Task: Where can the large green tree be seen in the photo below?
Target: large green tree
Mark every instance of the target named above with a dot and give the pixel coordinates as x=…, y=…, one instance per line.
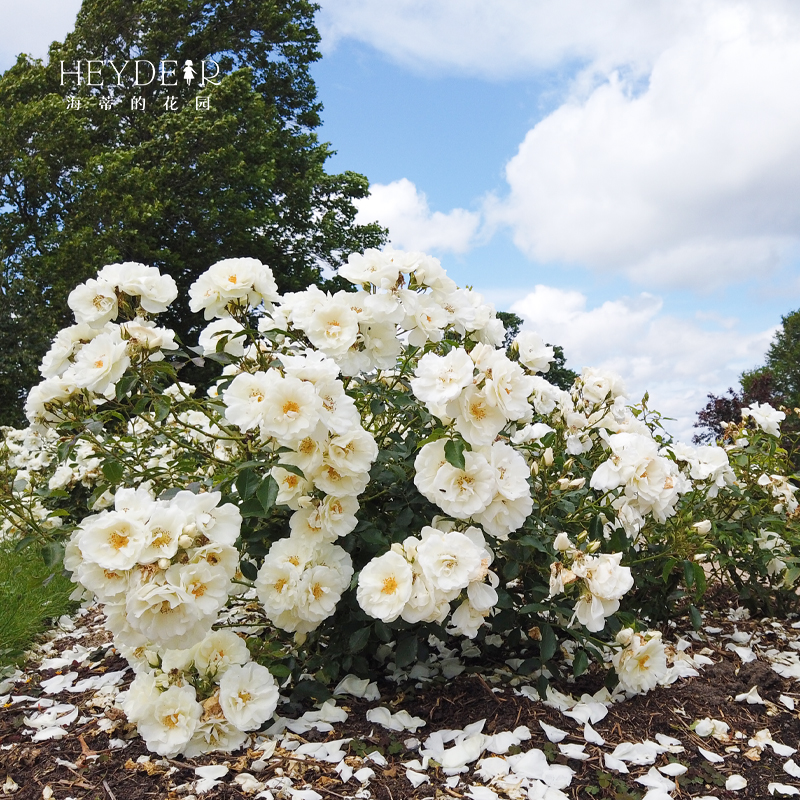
x=94, y=174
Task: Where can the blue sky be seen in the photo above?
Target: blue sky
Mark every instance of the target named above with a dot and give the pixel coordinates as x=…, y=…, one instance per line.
x=622, y=174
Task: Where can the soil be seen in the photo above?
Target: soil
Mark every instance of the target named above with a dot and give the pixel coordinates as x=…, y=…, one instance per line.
x=83, y=765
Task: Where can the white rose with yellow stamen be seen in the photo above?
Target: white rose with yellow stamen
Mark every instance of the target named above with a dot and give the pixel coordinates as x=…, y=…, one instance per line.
x=112, y=540
x=248, y=695
x=384, y=586
x=291, y=408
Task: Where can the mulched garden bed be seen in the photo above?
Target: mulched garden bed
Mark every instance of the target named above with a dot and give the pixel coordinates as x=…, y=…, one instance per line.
x=100, y=755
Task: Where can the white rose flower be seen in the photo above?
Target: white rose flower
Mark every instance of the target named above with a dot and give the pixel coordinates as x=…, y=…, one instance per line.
x=214, y=733
x=440, y=379
x=766, y=417
x=597, y=385
x=94, y=303
x=164, y=528
x=41, y=405
x=466, y=621
x=642, y=663
x=477, y=420
x=291, y=487
x=502, y=516
x=67, y=342
x=100, y=364
x=592, y=611
x=425, y=319
x=448, y=560
x=507, y=387
x=245, y=399
x=171, y=721
x=333, y=326
x=353, y=453
x=375, y=266
x=112, y=540
x=219, y=651
x=165, y=614
x=248, y=695
x=464, y=492
x=533, y=352
x=384, y=586
x=291, y=408
x=604, y=575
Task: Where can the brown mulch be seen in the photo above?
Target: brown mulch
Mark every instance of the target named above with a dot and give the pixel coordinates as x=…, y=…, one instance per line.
x=114, y=774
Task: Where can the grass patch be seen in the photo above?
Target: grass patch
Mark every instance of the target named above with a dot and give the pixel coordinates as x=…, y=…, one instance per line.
x=31, y=594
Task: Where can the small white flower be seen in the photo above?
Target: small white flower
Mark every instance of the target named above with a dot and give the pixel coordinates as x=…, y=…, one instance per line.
x=248, y=695
x=384, y=586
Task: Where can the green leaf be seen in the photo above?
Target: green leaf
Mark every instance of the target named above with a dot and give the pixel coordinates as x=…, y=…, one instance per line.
x=267, y=492
x=697, y=620
x=310, y=688
x=383, y=631
x=549, y=643
x=359, y=639
x=688, y=573
x=406, y=651
x=52, y=554
x=454, y=453
x=665, y=573
x=113, y=471
x=161, y=406
x=280, y=670
x=699, y=578
x=580, y=663
x=249, y=570
x=125, y=385
x=246, y=483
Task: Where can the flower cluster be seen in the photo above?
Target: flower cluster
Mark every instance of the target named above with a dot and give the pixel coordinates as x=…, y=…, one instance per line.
x=201, y=699
x=162, y=568
x=370, y=468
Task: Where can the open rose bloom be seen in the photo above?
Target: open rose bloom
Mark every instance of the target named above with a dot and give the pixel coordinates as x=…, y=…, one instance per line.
x=358, y=476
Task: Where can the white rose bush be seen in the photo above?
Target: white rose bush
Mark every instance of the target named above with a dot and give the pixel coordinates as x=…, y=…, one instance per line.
x=367, y=473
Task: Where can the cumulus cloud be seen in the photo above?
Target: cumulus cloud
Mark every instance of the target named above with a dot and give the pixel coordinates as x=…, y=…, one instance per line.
x=404, y=210
x=692, y=181
x=674, y=157
x=507, y=37
x=678, y=360
x=31, y=26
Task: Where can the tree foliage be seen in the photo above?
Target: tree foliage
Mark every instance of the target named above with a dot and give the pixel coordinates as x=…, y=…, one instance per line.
x=168, y=185
x=776, y=382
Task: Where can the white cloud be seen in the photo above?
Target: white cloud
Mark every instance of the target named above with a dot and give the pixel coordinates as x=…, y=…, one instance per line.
x=675, y=156
x=677, y=360
x=404, y=210
x=507, y=37
x=692, y=182
x=30, y=27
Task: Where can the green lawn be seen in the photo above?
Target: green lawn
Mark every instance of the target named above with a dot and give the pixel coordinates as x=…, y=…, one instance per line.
x=31, y=594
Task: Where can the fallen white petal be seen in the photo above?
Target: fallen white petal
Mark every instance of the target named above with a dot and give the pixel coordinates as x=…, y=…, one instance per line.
x=555, y=735
x=782, y=788
x=792, y=768
x=752, y=697
x=735, y=783
x=575, y=751
x=592, y=736
x=674, y=769
x=709, y=756
x=614, y=763
x=417, y=778
x=481, y=793
x=787, y=701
